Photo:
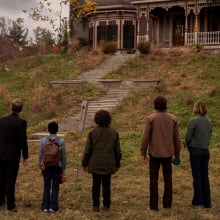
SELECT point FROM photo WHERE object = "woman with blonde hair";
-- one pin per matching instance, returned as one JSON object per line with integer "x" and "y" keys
{"x": 197, "y": 139}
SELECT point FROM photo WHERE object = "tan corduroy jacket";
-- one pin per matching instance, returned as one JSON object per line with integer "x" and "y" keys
{"x": 160, "y": 135}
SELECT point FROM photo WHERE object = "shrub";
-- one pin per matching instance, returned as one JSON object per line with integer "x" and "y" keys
{"x": 82, "y": 42}
{"x": 109, "y": 47}
{"x": 144, "y": 47}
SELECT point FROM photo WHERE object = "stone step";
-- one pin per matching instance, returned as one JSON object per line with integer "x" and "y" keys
{"x": 116, "y": 91}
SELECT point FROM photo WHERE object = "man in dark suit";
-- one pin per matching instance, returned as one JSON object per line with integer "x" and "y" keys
{"x": 13, "y": 143}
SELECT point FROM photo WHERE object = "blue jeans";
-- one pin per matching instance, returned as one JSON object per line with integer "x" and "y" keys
{"x": 50, "y": 196}
{"x": 199, "y": 160}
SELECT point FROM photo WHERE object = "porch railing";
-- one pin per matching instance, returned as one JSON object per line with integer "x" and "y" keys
{"x": 203, "y": 38}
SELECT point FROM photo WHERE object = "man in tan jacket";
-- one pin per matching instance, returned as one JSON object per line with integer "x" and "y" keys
{"x": 160, "y": 138}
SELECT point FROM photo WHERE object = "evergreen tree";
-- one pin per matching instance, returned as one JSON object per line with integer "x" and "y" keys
{"x": 18, "y": 33}
{"x": 43, "y": 35}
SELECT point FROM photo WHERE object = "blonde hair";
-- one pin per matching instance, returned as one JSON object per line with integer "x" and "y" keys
{"x": 199, "y": 108}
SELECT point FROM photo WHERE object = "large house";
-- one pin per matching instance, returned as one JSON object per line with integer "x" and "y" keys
{"x": 165, "y": 23}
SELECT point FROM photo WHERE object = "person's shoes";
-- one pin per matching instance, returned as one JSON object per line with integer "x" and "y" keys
{"x": 95, "y": 209}
{"x": 13, "y": 209}
{"x": 45, "y": 210}
{"x": 154, "y": 209}
{"x": 105, "y": 208}
{"x": 2, "y": 204}
{"x": 52, "y": 210}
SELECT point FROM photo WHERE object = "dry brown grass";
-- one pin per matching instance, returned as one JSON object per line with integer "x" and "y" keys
{"x": 5, "y": 95}
{"x": 182, "y": 83}
{"x": 130, "y": 189}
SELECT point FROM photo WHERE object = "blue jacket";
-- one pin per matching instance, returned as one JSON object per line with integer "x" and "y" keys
{"x": 61, "y": 143}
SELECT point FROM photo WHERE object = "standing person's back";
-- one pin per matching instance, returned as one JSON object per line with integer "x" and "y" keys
{"x": 102, "y": 157}
{"x": 52, "y": 172}
{"x": 13, "y": 142}
{"x": 164, "y": 135}
{"x": 197, "y": 137}
{"x": 160, "y": 138}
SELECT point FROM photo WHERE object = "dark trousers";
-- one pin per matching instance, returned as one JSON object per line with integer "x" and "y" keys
{"x": 199, "y": 160}
{"x": 51, "y": 188}
{"x": 155, "y": 163}
{"x": 105, "y": 180}
{"x": 8, "y": 176}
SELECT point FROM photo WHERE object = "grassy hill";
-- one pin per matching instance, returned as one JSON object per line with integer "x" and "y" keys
{"x": 185, "y": 77}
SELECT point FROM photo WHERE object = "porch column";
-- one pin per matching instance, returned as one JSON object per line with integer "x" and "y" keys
{"x": 95, "y": 35}
{"x": 206, "y": 20}
{"x": 120, "y": 32}
{"x": 186, "y": 26}
{"x": 196, "y": 27}
{"x": 171, "y": 32}
{"x": 148, "y": 22}
{"x": 138, "y": 25}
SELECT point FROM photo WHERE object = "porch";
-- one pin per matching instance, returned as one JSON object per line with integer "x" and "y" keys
{"x": 203, "y": 38}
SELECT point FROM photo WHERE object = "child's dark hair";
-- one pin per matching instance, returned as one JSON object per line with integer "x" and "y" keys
{"x": 53, "y": 127}
{"x": 103, "y": 118}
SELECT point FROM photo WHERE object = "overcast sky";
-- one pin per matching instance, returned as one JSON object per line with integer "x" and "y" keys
{"x": 13, "y": 9}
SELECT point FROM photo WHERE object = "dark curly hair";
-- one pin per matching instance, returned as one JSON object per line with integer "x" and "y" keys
{"x": 103, "y": 118}
{"x": 160, "y": 103}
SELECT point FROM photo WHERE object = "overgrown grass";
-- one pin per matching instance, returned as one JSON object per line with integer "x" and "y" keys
{"x": 29, "y": 79}
{"x": 184, "y": 79}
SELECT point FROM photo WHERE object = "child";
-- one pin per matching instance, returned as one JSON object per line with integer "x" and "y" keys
{"x": 102, "y": 158}
{"x": 52, "y": 174}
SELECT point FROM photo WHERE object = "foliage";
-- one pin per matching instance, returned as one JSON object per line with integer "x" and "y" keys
{"x": 12, "y": 38}
{"x": 43, "y": 12}
{"x": 78, "y": 10}
{"x": 63, "y": 37}
{"x": 18, "y": 33}
{"x": 3, "y": 27}
{"x": 109, "y": 47}
{"x": 144, "y": 47}
{"x": 43, "y": 35}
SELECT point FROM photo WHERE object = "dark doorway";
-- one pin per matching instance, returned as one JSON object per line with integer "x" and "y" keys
{"x": 178, "y": 31}
{"x": 128, "y": 35}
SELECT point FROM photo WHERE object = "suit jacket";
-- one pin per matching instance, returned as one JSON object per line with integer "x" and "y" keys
{"x": 13, "y": 138}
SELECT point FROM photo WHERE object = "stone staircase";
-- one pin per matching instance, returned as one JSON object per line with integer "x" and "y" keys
{"x": 116, "y": 91}
{"x": 109, "y": 101}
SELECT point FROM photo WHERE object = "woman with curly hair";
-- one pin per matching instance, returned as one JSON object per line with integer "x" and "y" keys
{"x": 101, "y": 158}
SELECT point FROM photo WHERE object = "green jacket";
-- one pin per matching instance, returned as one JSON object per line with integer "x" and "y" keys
{"x": 102, "y": 153}
{"x": 198, "y": 132}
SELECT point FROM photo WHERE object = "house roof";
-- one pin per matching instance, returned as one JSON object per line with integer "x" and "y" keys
{"x": 104, "y": 5}
{"x": 112, "y": 2}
